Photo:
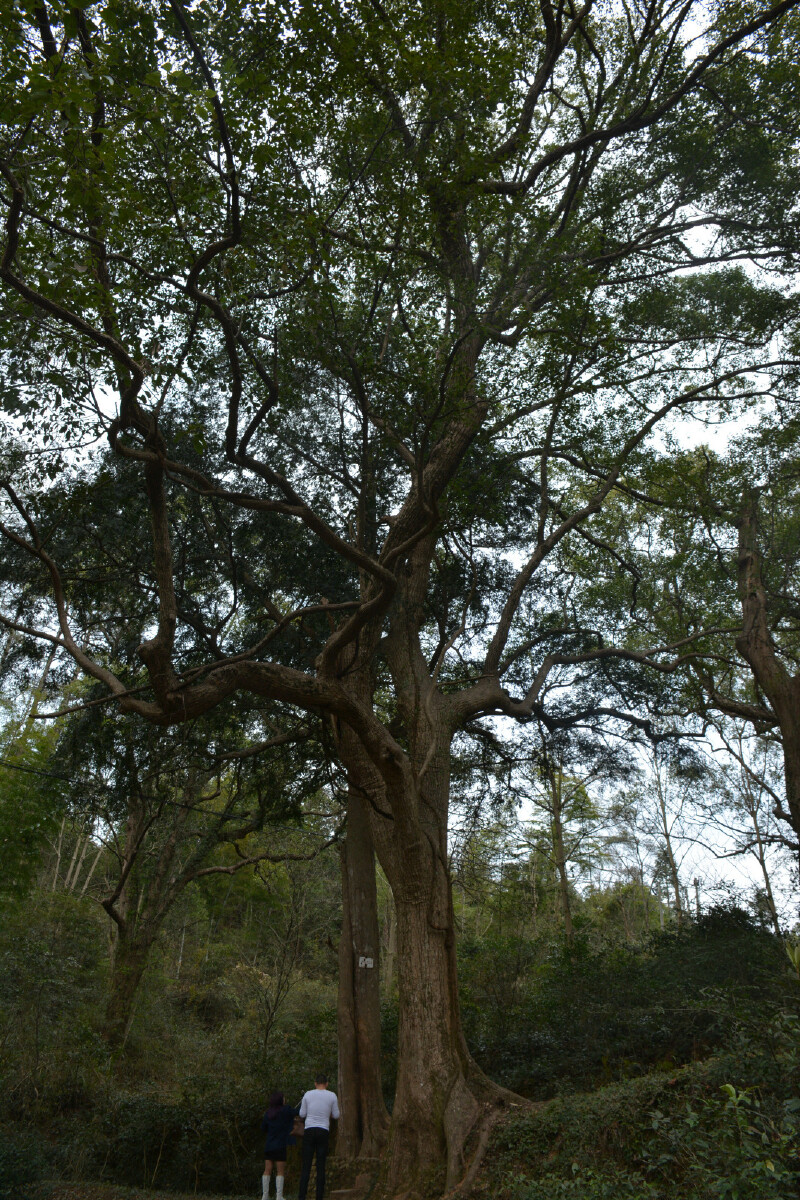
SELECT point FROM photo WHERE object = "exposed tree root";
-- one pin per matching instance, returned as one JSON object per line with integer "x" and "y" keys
{"x": 493, "y": 1113}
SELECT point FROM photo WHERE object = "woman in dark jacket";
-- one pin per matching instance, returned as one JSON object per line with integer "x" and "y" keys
{"x": 276, "y": 1124}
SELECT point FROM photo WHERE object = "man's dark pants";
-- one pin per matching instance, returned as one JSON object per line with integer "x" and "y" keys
{"x": 315, "y": 1140}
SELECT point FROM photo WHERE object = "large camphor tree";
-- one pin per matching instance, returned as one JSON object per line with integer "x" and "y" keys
{"x": 397, "y": 290}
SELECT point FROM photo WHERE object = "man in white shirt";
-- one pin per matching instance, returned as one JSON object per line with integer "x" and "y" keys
{"x": 316, "y": 1108}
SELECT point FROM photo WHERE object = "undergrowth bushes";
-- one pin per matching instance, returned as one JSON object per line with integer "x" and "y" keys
{"x": 21, "y": 1162}
{"x": 729, "y": 1127}
{"x": 142, "y": 1140}
{"x": 179, "y": 1107}
{"x": 580, "y": 1016}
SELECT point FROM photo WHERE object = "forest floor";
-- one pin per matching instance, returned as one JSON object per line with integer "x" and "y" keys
{"x": 108, "y": 1191}
{"x": 727, "y": 1126}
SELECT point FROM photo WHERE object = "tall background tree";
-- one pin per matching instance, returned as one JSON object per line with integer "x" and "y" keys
{"x": 720, "y": 560}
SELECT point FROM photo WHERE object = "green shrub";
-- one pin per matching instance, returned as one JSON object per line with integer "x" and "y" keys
{"x": 143, "y": 1140}
{"x": 727, "y": 1129}
{"x": 584, "y": 1015}
{"x": 587, "y": 1185}
{"x": 22, "y": 1162}
{"x": 50, "y": 976}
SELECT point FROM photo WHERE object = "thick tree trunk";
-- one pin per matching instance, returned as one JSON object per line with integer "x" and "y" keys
{"x": 402, "y": 781}
{"x": 440, "y": 1093}
{"x": 364, "y": 1122}
{"x": 435, "y": 1106}
{"x": 127, "y": 968}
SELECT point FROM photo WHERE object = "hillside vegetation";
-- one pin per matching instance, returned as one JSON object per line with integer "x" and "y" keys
{"x": 660, "y": 1061}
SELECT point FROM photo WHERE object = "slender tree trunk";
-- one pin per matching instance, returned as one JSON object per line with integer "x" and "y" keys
{"x": 132, "y": 938}
{"x": 79, "y": 842}
{"x": 773, "y": 911}
{"x": 661, "y": 777}
{"x": 79, "y": 868}
{"x": 88, "y": 878}
{"x": 676, "y": 884}
{"x": 752, "y": 805}
{"x": 180, "y": 951}
{"x": 559, "y": 853}
{"x": 672, "y": 864}
{"x": 57, "y": 867}
{"x": 364, "y": 1122}
{"x": 627, "y": 924}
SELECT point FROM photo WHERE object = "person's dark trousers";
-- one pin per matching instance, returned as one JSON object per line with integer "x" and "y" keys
{"x": 315, "y": 1141}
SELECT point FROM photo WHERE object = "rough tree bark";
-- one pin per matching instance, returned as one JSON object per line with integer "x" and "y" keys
{"x": 440, "y": 1092}
{"x": 364, "y": 1122}
{"x": 129, "y": 961}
